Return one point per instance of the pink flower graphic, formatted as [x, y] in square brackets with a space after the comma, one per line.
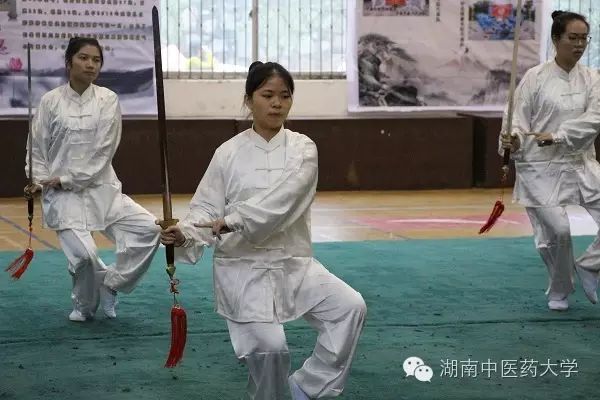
[15, 64]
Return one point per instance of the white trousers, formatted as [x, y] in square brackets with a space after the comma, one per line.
[552, 237]
[338, 318]
[136, 237]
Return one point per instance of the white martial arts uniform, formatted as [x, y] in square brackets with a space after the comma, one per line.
[75, 138]
[566, 104]
[264, 272]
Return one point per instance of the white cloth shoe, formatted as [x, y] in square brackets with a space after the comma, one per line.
[77, 316]
[589, 282]
[558, 305]
[297, 393]
[108, 301]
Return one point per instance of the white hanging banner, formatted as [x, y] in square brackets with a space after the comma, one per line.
[123, 28]
[413, 55]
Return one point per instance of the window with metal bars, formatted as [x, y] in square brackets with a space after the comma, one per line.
[591, 11]
[215, 39]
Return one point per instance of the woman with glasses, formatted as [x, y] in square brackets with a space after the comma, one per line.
[555, 123]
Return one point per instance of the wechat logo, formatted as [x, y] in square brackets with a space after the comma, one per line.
[414, 366]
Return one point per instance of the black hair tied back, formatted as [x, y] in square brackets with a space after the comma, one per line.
[557, 13]
[560, 20]
[259, 73]
[254, 65]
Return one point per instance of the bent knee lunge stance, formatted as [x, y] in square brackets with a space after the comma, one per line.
[75, 133]
[253, 205]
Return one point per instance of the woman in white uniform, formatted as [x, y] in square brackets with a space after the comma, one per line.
[259, 186]
[555, 124]
[75, 133]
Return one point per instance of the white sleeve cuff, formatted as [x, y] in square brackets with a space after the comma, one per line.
[66, 182]
[234, 222]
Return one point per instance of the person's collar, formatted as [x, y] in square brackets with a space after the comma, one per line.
[272, 144]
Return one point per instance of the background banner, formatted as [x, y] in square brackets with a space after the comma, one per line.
[123, 28]
[412, 55]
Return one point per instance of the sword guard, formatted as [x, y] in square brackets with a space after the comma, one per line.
[168, 222]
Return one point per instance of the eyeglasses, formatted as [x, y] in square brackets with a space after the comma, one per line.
[574, 39]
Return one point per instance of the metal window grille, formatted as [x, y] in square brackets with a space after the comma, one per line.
[219, 39]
